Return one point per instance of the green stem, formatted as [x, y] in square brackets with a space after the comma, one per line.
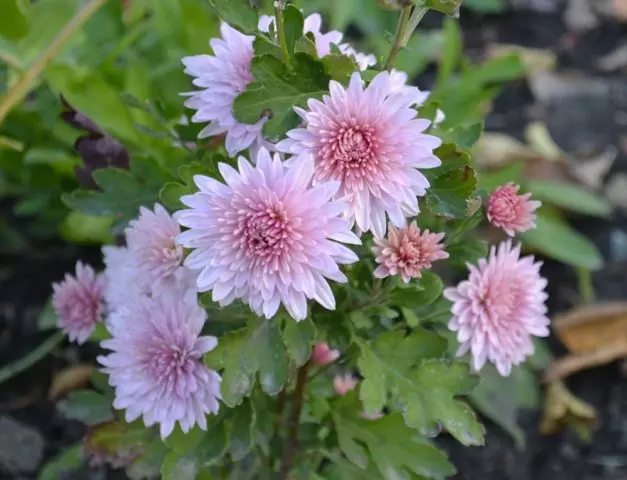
[586, 287]
[280, 29]
[17, 367]
[19, 90]
[291, 440]
[407, 23]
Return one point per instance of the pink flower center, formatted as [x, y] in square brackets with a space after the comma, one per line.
[349, 154]
[501, 299]
[169, 362]
[265, 233]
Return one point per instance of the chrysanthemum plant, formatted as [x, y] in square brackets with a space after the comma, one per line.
[280, 312]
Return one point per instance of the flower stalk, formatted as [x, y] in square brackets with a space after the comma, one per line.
[279, 6]
[407, 23]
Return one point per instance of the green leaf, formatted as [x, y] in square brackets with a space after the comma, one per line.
[117, 437]
[557, 240]
[393, 354]
[172, 192]
[501, 398]
[570, 197]
[241, 430]
[238, 13]
[450, 191]
[299, 338]
[256, 349]
[122, 194]
[452, 50]
[466, 137]
[339, 67]
[418, 293]
[179, 467]
[277, 89]
[84, 229]
[468, 251]
[87, 406]
[448, 7]
[294, 23]
[63, 464]
[13, 21]
[148, 463]
[89, 93]
[486, 6]
[387, 443]
[407, 369]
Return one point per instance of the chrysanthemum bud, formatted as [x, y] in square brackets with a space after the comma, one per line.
[511, 212]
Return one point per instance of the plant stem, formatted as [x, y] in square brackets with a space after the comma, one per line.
[280, 29]
[19, 90]
[586, 287]
[17, 367]
[291, 440]
[407, 23]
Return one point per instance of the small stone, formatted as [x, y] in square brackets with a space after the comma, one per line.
[616, 191]
[21, 447]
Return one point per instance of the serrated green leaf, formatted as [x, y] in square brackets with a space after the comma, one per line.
[386, 444]
[466, 137]
[408, 370]
[418, 293]
[238, 13]
[450, 192]
[294, 23]
[388, 359]
[299, 338]
[277, 89]
[122, 193]
[86, 406]
[339, 67]
[557, 240]
[570, 197]
[255, 350]
[117, 437]
[89, 93]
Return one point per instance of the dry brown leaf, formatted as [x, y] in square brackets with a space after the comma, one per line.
[494, 150]
[619, 8]
[70, 378]
[534, 59]
[539, 139]
[595, 335]
[589, 328]
[562, 409]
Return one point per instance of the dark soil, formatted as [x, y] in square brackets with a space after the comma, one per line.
[25, 283]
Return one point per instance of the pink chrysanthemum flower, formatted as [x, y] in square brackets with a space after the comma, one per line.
[498, 309]
[221, 78]
[512, 212]
[151, 241]
[323, 354]
[156, 361]
[267, 236]
[324, 41]
[407, 251]
[122, 281]
[342, 384]
[79, 302]
[369, 140]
